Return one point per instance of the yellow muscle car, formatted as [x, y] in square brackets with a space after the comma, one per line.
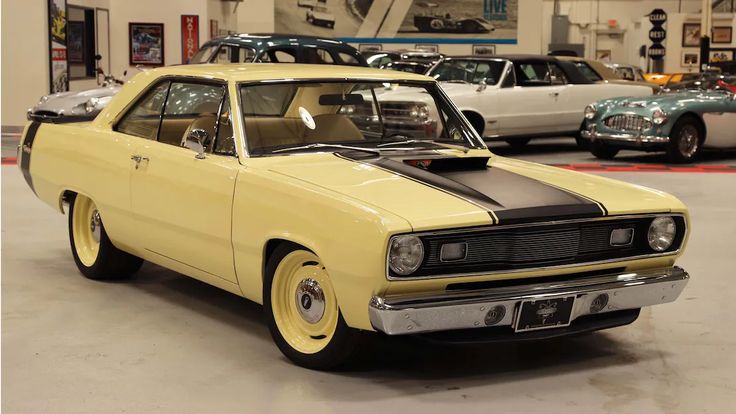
[299, 188]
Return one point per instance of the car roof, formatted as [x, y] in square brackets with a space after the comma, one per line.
[257, 39]
[276, 71]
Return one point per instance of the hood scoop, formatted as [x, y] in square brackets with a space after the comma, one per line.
[449, 164]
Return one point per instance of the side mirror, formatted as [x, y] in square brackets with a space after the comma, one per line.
[125, 73]
[482, 85]
[194, 141]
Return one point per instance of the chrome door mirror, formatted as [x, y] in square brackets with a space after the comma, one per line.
[194, 142]
[482, 85]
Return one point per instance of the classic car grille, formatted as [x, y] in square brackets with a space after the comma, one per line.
[627, 122]
[398, 118]
[519, 248]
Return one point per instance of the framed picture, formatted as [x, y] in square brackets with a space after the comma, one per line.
[372, 47]
[720, 55]
[214, 28]
[690, 58]
[690, 34]
[75, 44]
[484, 50]
[146, 44]
[189, 36]
[722, 34]
[603, 55]
[427, 48]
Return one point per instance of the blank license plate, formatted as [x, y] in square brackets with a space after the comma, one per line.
[544, 314]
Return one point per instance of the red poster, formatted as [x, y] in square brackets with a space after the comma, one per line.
[189, 36]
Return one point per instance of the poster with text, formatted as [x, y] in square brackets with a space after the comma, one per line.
[59, 68]
[402, 21]
[189, 36]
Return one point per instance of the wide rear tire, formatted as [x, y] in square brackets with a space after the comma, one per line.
[302, 311]
[93, 252]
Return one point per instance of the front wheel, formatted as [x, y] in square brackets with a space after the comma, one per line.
[685, 140]
[94, 253]
[603, 151]
[302, 311]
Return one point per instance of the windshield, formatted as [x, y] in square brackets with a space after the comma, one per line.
[702, 83]
[357, 114]
[203, 55]
[471, 71]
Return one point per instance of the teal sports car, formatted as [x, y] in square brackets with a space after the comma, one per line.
[696, 115]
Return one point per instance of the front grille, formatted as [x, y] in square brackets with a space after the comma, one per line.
[397, 118]
[627, 122]
[523, 247]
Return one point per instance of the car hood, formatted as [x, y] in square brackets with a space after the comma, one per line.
[665, 101]
[440, 189]
[67, 101]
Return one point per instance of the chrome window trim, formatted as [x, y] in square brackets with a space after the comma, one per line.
[409, 278]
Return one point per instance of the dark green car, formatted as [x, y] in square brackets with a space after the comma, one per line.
[277, 48]
[695, 115]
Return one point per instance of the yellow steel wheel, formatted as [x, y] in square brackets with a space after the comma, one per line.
[87, 229]
[303, 302]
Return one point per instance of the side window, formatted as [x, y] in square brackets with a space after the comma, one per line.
[143, 119]
[482, 71]
[225, 141]
[234, 54]
[556, 75]
[348, 59]
[191, 106]
[317, 55]
[509, 81]
[204, 54]
[533, 74]
[283, 55]
[223, 54]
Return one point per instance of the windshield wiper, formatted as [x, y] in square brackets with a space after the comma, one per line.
[462, 148]
[321, 145]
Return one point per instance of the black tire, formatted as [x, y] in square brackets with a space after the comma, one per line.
[518, 143]
[603, 151]
[111, 263]
[345, 342]
[686, 139]
[579, 140]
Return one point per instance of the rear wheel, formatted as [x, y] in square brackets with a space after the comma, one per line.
[685, 140]
[603, 151]
[93, 252]
[518, 143]
[302, 311]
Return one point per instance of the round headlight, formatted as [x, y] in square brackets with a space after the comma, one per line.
[658, 117]
[661, 233]
[91, 104]
[405, 254]
[590, 111]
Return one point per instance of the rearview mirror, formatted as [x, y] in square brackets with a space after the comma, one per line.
[340, 99]
[194, 141]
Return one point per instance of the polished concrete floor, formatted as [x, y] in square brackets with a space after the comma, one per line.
[166, 343]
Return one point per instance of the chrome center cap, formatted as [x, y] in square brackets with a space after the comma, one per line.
[310, 300]
[95, 226]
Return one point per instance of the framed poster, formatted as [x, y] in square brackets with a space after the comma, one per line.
[484, 50]
[690, 58]
[58, 65]
[603, 55]
[372, 47]
[690, 34]
[720, 55]
[146, 42]
[427, 48]
[213, 29]
[722, 34]
[189, 36]
[75, 46]
[402, 21]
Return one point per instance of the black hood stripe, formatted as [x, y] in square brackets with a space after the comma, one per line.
[25, 153]
[508, 197]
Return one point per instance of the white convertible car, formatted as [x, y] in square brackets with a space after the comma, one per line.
[519, 97]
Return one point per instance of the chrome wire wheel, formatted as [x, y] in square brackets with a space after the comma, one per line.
[87, 228]
[303, 302]
[688, 141]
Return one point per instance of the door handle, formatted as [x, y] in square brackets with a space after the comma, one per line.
[555, 94]
[137, 159]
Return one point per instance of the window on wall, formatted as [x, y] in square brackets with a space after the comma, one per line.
[81, 42]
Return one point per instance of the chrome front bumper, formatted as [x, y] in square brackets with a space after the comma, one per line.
[636, 138]
[463, 309]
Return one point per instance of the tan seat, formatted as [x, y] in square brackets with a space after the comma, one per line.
[265, 132]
